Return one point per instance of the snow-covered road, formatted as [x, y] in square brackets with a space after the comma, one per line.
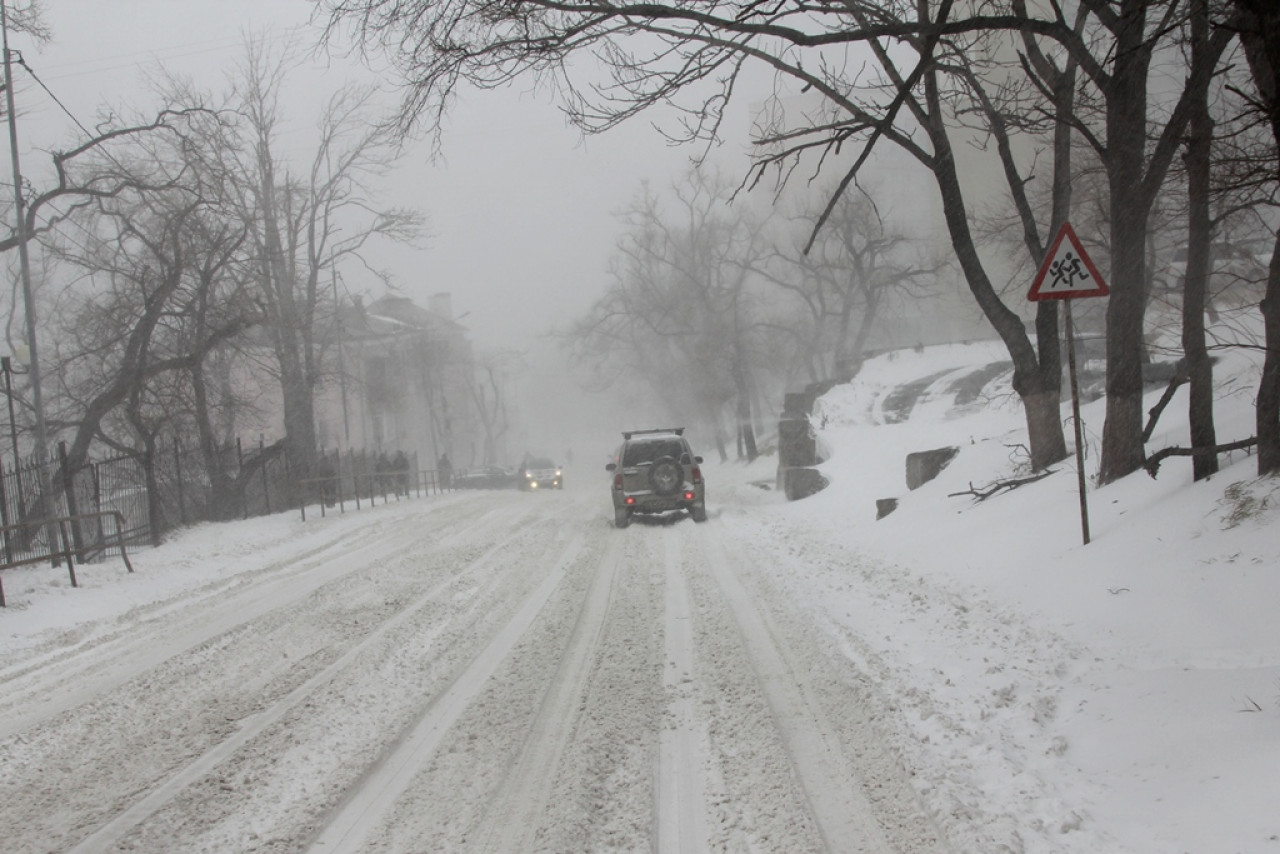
[478, 672]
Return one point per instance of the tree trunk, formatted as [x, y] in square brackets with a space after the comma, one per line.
[299, 423]
[1122, 449]
[223, 502]
[1260, 37]
[746, 433]
[160, 524]
[1196, 283]
[1039, 394]
[1268, 413]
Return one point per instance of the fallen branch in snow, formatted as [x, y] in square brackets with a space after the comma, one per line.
[1001, 485]
[1152, 464]
[1179, 378]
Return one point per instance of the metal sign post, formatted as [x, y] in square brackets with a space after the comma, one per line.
[1075, 420]
[1067, 273]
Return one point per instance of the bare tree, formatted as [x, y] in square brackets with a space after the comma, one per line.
[489, 391]
[691, 55]
[1199, 248]
[301, 225]
[135, 342]
[28, 17]
[848, 282]
[1260, 36]
[681, 314]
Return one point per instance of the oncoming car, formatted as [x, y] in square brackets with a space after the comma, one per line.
[655, 471]
[540, 473]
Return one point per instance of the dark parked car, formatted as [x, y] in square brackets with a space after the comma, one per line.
[655, 471]
[485, 477]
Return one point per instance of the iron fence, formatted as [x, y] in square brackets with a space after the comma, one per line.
[179, 486]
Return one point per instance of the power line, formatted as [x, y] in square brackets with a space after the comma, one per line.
[56, 99]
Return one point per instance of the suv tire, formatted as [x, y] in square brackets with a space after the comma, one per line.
[621, 517]
[666, 476]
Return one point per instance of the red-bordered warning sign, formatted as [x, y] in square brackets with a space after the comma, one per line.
[1067, 271]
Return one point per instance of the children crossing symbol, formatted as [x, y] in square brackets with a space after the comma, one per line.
[1067, 271]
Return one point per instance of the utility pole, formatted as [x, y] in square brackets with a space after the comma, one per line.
[24, 261]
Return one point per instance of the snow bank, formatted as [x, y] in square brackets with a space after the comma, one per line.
[1052, 696]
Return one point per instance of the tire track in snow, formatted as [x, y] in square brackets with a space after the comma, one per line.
[512, 818]
[843, 814]
[377, 793]
[69, 676]
[681, 811]
[163, 792]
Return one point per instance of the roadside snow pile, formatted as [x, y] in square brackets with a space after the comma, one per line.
[1119, 696]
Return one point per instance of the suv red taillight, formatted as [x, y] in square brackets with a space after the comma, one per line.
[696, 475]
[617, 481]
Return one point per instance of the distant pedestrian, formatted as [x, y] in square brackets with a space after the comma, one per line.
[444, 469]
[400, 471]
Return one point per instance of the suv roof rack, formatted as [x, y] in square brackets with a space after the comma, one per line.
[627, 434]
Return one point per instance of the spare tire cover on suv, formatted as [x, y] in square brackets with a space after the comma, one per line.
[666, 476]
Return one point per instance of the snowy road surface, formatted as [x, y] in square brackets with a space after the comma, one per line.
[489, 671]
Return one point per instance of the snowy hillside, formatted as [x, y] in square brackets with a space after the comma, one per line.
[1120, 696]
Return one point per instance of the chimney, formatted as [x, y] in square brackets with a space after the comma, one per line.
[442, 304]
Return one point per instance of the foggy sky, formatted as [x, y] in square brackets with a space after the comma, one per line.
[520, 209]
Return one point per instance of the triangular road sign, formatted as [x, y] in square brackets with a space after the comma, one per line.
[1067, 271]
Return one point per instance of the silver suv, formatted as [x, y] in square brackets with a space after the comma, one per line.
[654, 471]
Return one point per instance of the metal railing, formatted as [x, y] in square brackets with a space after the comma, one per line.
[339, 490]
[74, 544]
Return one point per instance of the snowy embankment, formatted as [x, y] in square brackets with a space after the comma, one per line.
[1052, 696]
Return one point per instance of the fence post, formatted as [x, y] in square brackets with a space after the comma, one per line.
[4, 520]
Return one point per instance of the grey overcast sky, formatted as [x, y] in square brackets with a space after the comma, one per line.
[520, 208]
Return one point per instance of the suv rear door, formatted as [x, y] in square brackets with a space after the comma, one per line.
[639, 456]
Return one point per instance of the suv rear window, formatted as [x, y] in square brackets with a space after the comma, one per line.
[639, 453]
